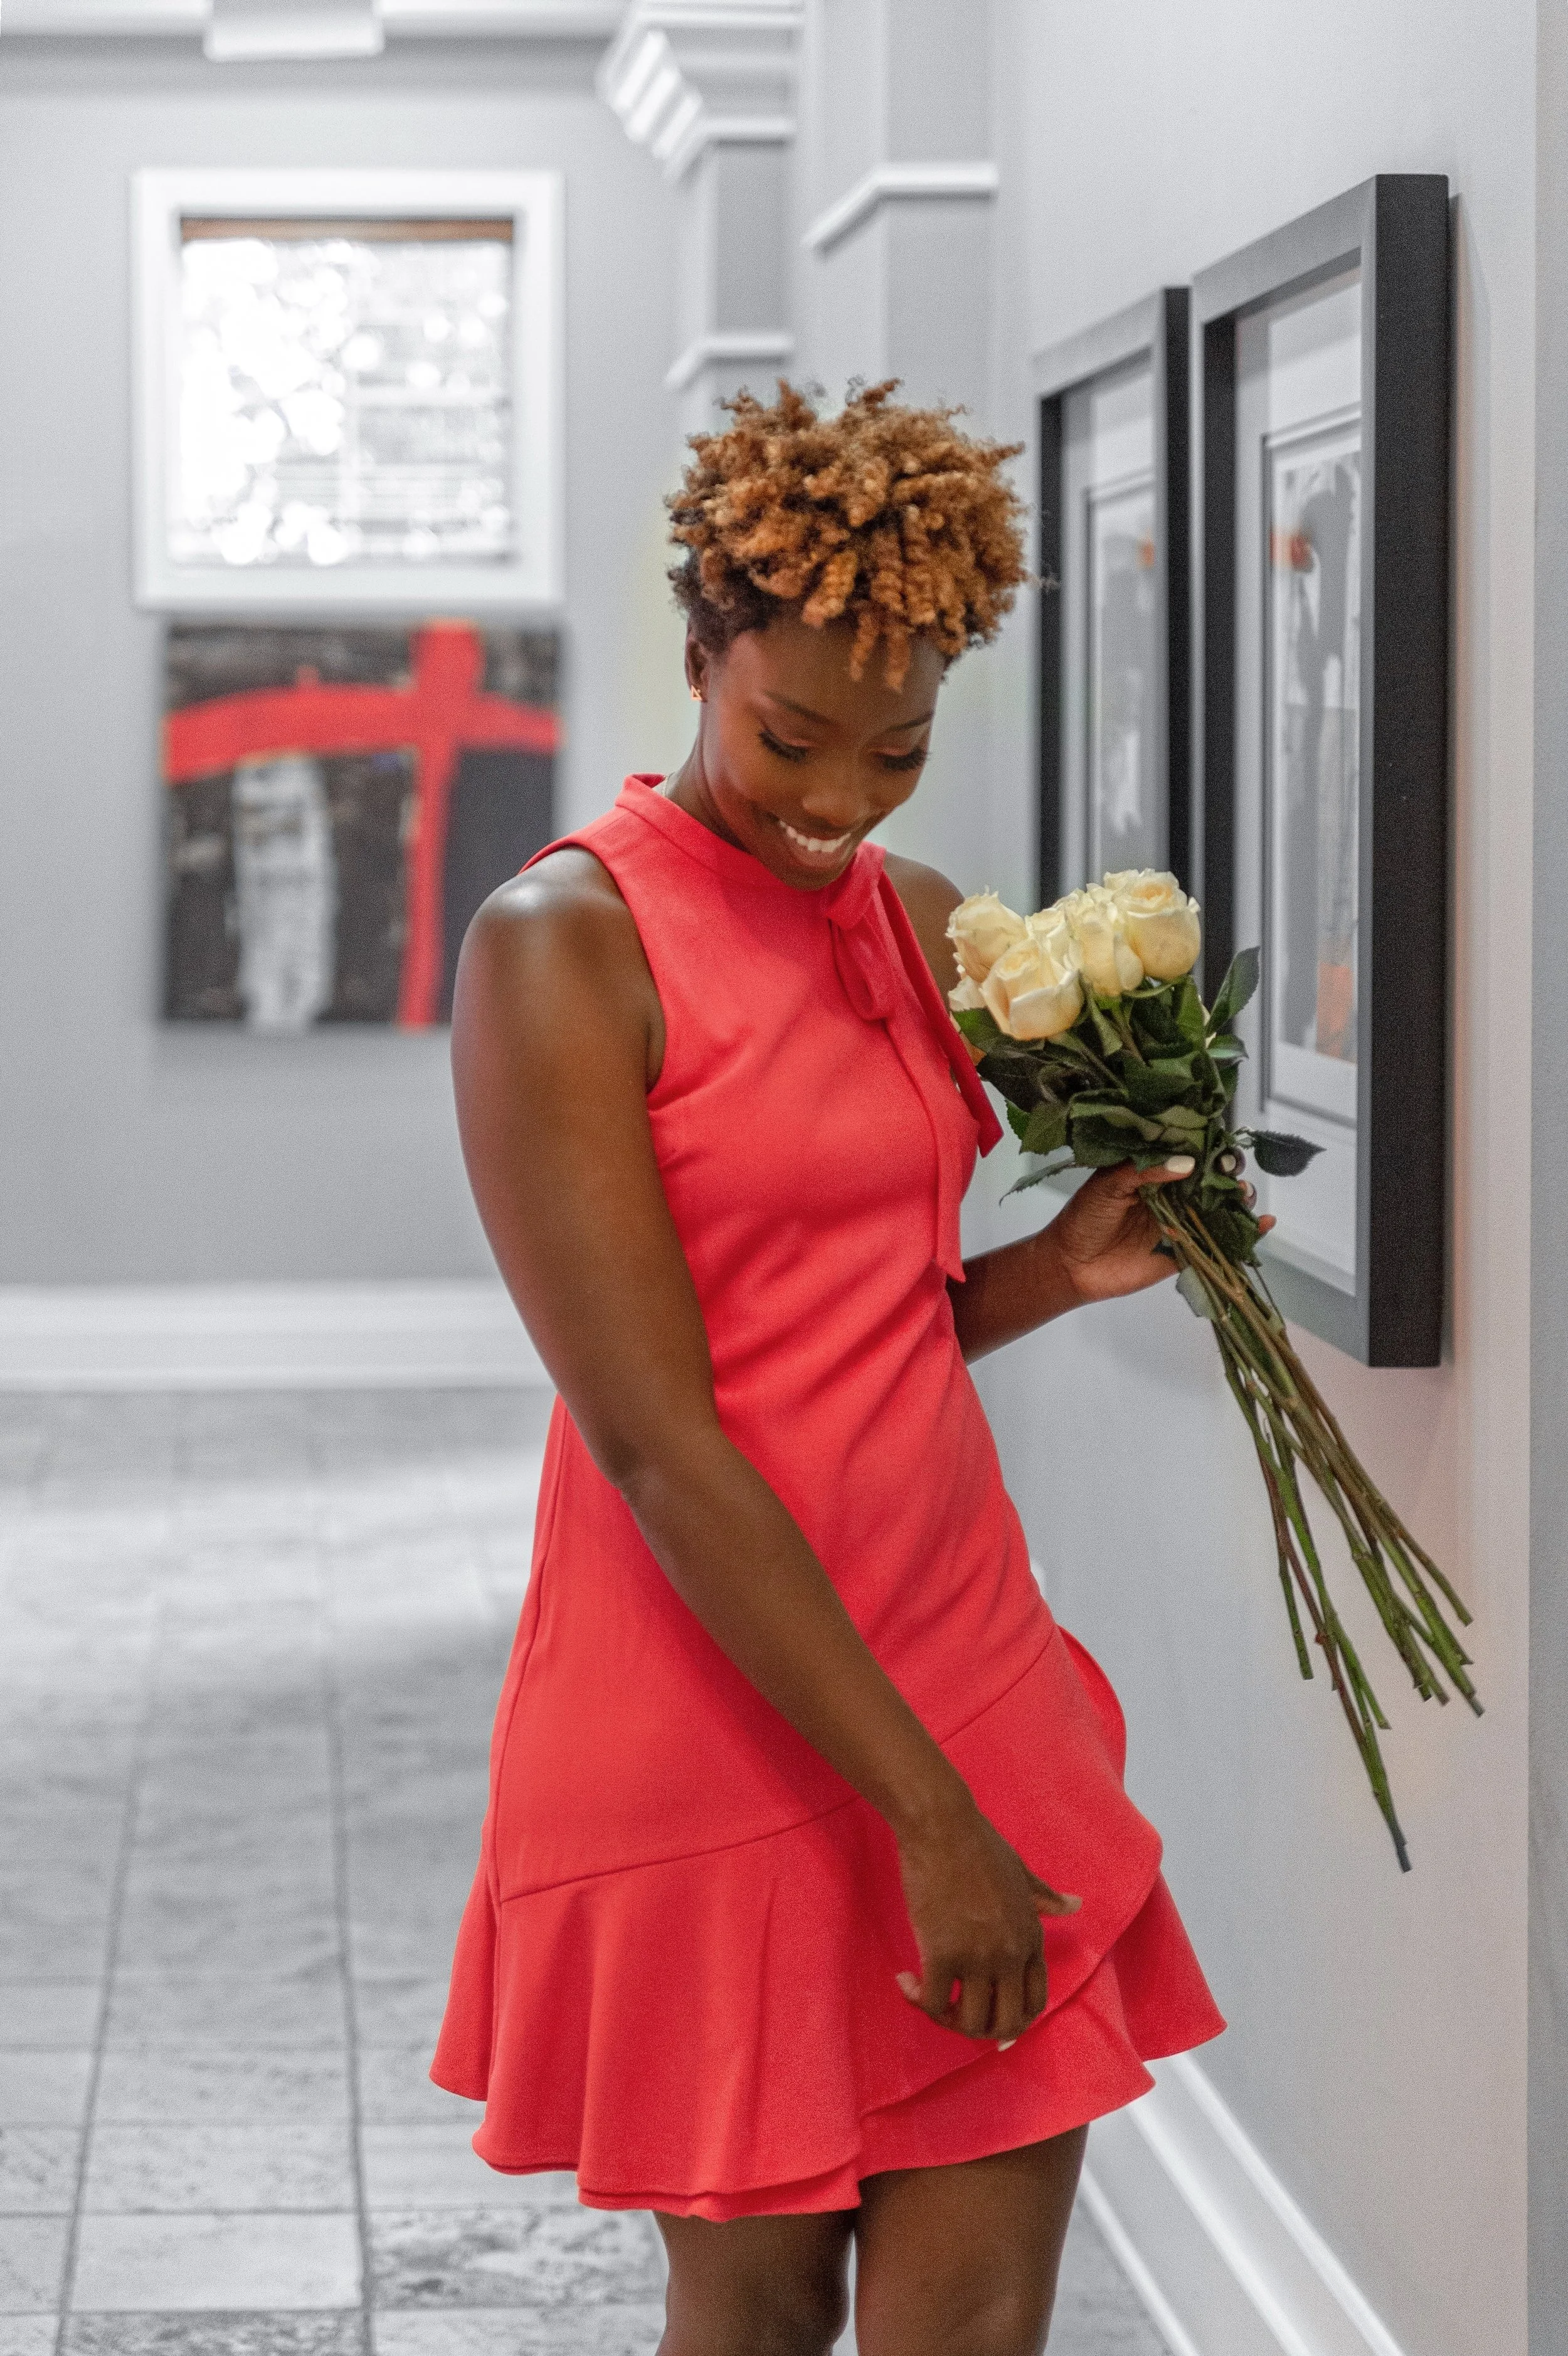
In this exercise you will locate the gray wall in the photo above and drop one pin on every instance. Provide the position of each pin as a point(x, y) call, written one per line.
point(132, 1152)
point(1377, 2051)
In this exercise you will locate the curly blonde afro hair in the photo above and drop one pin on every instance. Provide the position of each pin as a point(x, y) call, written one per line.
point(885, 516)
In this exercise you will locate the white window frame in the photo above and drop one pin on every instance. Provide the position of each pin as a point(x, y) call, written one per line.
point(532, 577)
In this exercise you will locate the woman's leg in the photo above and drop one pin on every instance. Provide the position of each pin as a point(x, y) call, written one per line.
point(962, 2260)
point(756, 2285)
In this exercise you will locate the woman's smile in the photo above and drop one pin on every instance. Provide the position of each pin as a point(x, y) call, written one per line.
point(822, 850)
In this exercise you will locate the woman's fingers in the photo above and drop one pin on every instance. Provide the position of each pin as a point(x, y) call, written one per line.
point(1180, 1165)
point(977, 2008)
point(1011, 2015)
point(933, 1991)
point(980, 2005)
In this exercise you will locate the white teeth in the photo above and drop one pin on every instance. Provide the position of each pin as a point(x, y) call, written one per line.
point(815, 845)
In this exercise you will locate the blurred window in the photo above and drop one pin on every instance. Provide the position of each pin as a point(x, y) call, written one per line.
point(345, 393)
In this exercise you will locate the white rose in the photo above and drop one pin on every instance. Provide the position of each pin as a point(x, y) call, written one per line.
point(966, 998)
point(982, 929)
point(1034, 990)
point(1110, 963)
point(1161, 921)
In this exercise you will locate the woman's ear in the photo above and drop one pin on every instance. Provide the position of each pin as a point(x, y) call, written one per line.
point(697, 668)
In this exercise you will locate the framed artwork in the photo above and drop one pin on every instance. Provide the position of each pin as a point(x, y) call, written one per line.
point(338, 802)
point(348, 388)
point(1323, 369)
point(1115, 643)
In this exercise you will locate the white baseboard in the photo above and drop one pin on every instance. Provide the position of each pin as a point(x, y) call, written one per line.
point(1220, 2254)
point(261, 1337)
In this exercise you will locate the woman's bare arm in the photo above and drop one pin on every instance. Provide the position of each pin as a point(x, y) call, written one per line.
point(556, 1034)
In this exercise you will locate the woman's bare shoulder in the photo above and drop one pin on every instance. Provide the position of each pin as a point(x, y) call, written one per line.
point(564, 886)
point(559, 928)
point(929, 899)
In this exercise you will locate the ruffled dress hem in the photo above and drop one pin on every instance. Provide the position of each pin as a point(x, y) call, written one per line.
point(744, 2049)
point(1081, 2066)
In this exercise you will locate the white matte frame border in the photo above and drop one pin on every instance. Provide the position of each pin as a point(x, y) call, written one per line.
point(535, 203)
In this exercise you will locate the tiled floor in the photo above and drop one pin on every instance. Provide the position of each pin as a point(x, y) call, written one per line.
point(249, 1651)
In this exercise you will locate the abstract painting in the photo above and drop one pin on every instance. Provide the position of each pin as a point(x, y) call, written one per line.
point(339, 801)
point(1123, 823)
point(1312, 760)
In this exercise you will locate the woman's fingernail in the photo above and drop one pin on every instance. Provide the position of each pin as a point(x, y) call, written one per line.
point(1003, 2043)
point(1181, 1165)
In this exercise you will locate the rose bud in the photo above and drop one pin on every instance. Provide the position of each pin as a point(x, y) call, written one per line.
point(1161, 921)
point(982, 929)
point(1033, 992)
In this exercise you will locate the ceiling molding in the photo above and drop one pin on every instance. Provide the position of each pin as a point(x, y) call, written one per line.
point(683, 76)
point(893, 183)
point(258, 32)
point(595, 20)
point(735, 345)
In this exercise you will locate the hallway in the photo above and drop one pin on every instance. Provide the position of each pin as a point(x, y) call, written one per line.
point(251, 1644)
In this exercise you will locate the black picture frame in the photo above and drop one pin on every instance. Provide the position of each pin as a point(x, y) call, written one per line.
point(1155, 328)
point(1393, 230)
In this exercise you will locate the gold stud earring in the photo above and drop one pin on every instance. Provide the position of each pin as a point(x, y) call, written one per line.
point(697, 695)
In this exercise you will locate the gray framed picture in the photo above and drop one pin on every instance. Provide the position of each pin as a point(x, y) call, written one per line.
point(1112, 411)
point(1323, 429)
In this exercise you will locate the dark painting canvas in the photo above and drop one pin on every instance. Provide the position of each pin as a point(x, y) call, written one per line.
point(339, 802)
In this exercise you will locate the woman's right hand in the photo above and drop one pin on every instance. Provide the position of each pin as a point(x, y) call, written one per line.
point(974, 1909)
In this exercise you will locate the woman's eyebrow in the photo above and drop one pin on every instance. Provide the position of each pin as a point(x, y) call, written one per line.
point(804, 711)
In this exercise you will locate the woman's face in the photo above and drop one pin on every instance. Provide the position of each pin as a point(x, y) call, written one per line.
point(796, 761)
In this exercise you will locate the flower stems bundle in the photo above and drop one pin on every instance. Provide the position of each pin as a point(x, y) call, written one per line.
point(1089, 1023)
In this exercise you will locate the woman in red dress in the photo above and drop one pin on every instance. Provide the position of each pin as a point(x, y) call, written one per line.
point(811, 1908)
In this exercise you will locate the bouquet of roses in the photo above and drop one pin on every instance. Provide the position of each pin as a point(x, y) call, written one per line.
point(1088, 1021)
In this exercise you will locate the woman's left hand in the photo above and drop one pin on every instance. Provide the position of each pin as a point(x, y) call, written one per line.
point(1106, 1235)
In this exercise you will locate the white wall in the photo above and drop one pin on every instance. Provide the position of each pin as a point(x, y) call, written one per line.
point(131, 1153)
point(1376, 2046)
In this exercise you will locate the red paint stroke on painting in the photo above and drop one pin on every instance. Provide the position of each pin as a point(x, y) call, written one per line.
point(442, 711)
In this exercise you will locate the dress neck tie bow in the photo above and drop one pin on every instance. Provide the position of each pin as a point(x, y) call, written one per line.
point(877, 953)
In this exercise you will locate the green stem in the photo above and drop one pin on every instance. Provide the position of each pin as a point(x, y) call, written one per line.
point(1290, 1425)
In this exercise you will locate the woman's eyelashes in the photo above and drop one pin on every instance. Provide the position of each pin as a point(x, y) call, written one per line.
point(784, 752)
point(894, 761)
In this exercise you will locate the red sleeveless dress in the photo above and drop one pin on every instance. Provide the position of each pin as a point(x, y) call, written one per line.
point(676, 1972)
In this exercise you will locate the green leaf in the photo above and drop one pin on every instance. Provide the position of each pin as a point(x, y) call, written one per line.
point(1051, 1169)
point(1224, 1049)
point(1087, 1113)
point(1095, 1148)
point(1154, 1010)
point(1236, 989)
point(1012, 1077)
point(1184, 1123)
point(980, 1028)
point(1152, 1086)
point(1189, 1284)
point(1105, 1031)
point(1190, 1020)
point(1280, 1155)
point(1045, 1131)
